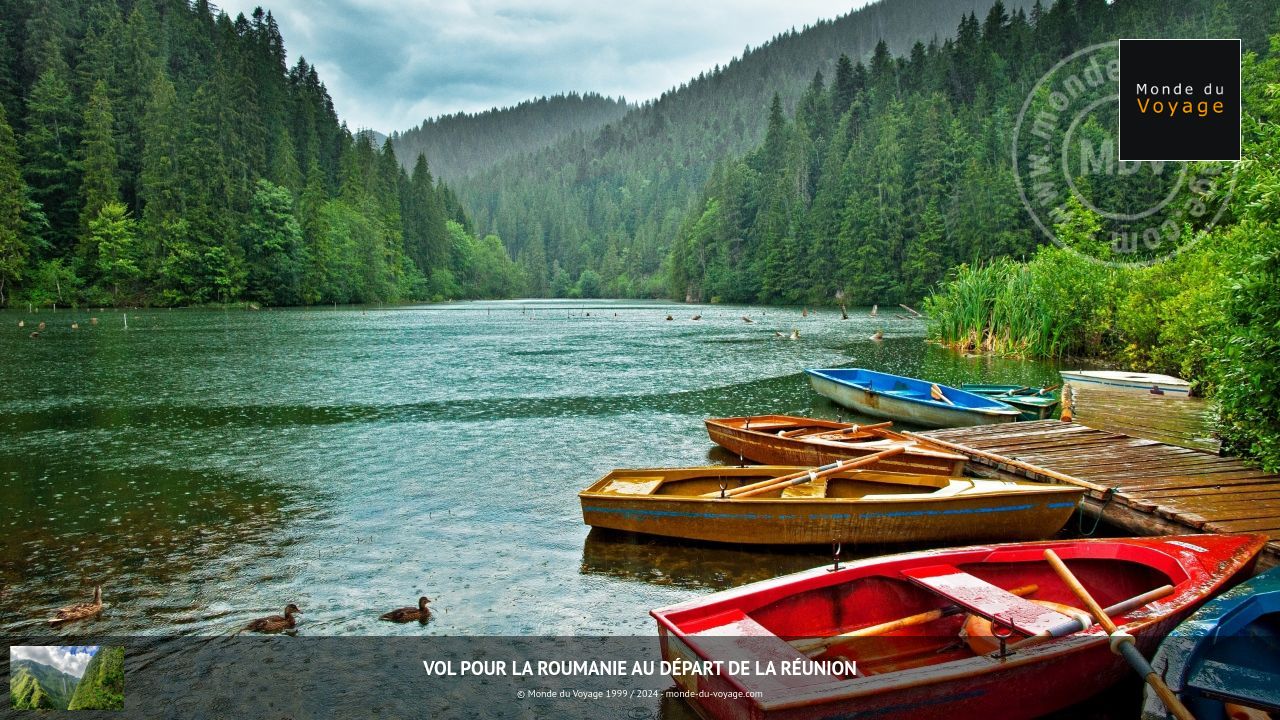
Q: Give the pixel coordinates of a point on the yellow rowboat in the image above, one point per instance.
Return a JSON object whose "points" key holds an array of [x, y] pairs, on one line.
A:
{"points": [[849, 506]]}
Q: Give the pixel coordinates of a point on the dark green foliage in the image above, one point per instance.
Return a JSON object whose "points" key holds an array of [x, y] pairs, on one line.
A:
{"points": [[908, 176], [102, 686], [167, 155], [34, 686], [14, 245], [615, 199], [1211, 314]]}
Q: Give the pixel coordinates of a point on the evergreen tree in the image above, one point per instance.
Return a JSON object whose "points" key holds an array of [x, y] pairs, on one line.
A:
{"points": [[113, 236], [100, 184], [49, 149], [13, 199]]}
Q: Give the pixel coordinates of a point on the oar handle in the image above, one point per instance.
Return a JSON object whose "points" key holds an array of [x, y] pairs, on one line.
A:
{"points": [[859, 428], [1079, 591], [1121, 643], [814, 646], [1075, 625]]}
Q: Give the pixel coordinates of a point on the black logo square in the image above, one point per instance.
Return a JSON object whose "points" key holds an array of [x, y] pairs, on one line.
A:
{"points": [[1179, 100]]}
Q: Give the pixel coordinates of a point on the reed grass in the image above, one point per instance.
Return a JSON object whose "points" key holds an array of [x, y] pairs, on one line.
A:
{"points": [[1049, 307]]}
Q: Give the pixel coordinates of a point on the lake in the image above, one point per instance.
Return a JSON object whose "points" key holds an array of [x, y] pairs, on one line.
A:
{"points": [[207, 467]]}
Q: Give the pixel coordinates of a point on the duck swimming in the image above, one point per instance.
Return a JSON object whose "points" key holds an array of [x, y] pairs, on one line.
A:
{"points": [[275, 623], [409, 614], [79, 611]]}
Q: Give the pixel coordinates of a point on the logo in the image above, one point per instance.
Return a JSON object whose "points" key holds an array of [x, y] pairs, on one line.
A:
{"points": [[1067, 167]]}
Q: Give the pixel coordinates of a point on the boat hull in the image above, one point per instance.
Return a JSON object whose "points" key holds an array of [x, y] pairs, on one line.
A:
{"points": [[1228, 651], [741, 625], [1027, 513], [1136, 382], [772, 449], [1033, 407], [883, 405]]}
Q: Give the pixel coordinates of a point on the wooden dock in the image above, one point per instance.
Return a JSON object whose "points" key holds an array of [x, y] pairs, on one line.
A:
{"points": [[1140, 484], [1182, 421]]}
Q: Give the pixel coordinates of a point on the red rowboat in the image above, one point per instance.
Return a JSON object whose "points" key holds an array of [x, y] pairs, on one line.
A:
{"points": [[779, 656], [792, 440]]}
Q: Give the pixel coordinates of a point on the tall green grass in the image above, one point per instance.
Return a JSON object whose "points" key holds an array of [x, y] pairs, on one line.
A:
{"points": [[1056, 305]]}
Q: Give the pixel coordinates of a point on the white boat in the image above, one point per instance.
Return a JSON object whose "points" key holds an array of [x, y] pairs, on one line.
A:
{"points": [[1121, 380]]}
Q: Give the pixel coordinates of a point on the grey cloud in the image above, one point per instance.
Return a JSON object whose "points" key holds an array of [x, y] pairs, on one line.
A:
{"points": [[388, 66]]}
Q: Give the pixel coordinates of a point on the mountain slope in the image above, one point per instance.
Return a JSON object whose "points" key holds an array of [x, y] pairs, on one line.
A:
{"points": [[34, 685], [874, 188], [464, 144], [612, 200], [102, 687]]}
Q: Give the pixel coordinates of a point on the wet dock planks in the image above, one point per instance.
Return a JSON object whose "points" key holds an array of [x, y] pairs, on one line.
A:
{"points": [[1182, 421], [1141, 484]]}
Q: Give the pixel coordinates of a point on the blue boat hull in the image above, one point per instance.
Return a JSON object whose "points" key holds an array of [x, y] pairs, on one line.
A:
{"points": [[1227, 652], [907, 399]]}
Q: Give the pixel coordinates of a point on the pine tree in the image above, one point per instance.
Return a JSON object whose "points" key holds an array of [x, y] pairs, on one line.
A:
{"points": [[100, 184], [113, 235], [49, 149], [13, 199]]}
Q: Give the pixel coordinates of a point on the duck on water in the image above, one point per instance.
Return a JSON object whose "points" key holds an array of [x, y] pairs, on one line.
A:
{"points": [[276, 623], [79, 611]]}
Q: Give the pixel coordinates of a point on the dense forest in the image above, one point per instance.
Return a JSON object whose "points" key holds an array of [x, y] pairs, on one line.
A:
{"points": [[611, 202], [898, 169], [463, 144], [1209, 314], [159, 152]]}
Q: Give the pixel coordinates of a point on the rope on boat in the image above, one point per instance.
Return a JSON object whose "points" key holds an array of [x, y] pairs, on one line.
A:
{"points": [[1109, 496]]}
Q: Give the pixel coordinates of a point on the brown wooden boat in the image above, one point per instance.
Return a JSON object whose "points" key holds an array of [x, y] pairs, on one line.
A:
{"points": [[791, 440], [850, 506]]}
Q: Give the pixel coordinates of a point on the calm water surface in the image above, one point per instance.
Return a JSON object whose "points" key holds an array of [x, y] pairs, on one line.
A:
{"points": [[207, 467]]}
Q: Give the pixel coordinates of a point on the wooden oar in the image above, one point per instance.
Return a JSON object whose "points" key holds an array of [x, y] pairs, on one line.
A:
{"points": [[935, 392], [806, 475], [812, 646], [1084, 622], [1047, 390], [859, 428], [1121, 643]]}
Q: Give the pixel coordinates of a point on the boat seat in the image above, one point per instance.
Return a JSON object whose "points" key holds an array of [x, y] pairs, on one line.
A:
{"points": [[637, 485], [812, 489], [992, 602], [736, 636], [1247, 686]]}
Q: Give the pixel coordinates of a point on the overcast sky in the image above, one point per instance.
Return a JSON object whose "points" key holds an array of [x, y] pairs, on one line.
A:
{"points": [[390, 65], [71, 659]]}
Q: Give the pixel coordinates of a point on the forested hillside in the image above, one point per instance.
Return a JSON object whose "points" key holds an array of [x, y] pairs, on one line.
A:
{"points": [[102, 686], [160, 152], [612, 201], [36, 686], [890, 173], [463, 144]]}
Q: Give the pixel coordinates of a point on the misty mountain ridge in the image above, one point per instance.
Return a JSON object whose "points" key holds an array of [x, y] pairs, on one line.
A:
{"points": [[463, 144], [614, 198]]}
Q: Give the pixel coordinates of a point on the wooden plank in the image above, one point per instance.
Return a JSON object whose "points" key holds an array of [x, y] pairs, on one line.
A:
{"points": [[1156, 494], [1138, 486], [1270, 526]]}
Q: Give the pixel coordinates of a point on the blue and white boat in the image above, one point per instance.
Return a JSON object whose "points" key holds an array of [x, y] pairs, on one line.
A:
{"points": [[1224, 661], [907, 399]]}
